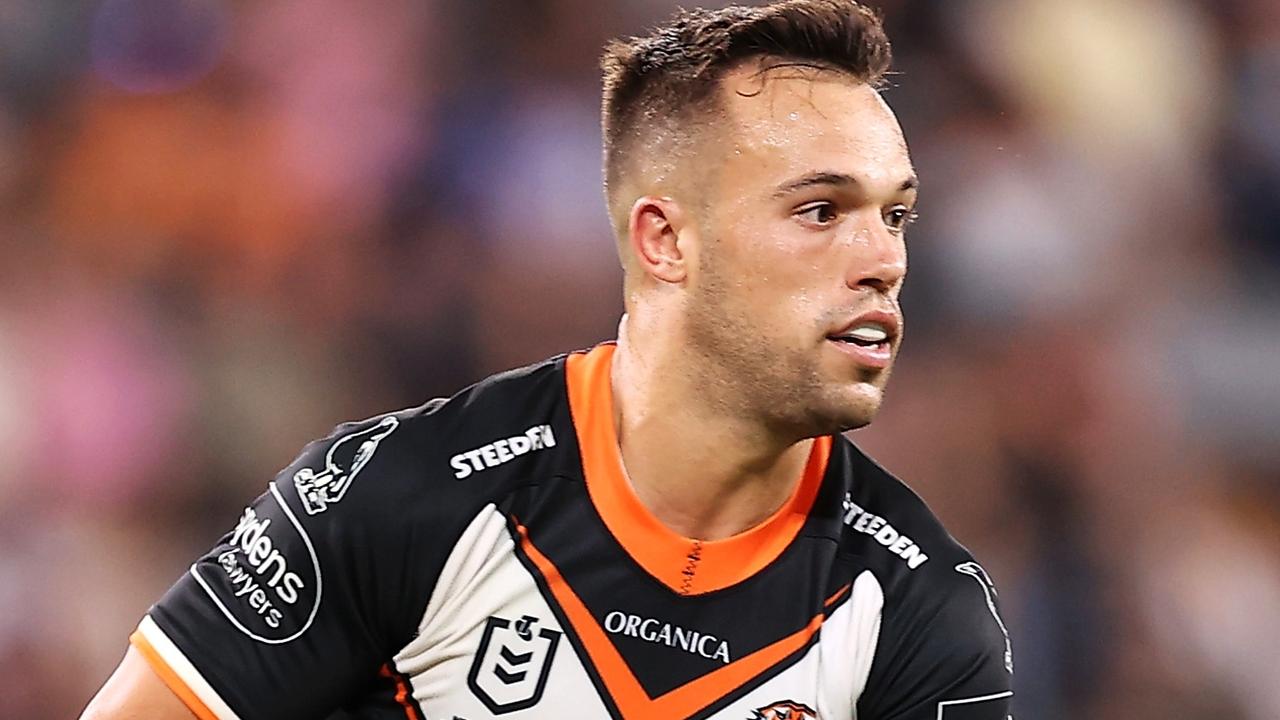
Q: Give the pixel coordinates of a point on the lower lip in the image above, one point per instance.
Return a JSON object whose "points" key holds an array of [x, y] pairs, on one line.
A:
{"points": [[875, 356]]}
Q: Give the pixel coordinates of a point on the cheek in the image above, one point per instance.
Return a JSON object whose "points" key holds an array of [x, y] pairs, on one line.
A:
{"points": [[781, 279], [788, 314], [788, 298], [777, 266]]}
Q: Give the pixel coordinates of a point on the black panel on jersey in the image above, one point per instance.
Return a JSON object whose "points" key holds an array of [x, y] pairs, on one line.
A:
{"points": [[942, 643]]}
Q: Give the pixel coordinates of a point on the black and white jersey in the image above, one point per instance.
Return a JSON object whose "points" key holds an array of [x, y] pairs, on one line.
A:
{"points": [[486, 556]]}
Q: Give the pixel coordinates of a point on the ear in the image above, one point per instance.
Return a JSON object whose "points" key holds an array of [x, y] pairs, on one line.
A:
{"points": [[654, 236]]}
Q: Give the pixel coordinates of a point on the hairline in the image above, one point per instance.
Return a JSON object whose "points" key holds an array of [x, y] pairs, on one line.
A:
{"points": [[690, 125]]}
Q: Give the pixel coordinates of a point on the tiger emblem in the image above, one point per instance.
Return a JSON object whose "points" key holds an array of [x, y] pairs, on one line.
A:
{"points": [[785, 710]]}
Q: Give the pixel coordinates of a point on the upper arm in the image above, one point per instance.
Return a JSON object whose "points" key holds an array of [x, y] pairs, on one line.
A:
{"points": [[323, 578], [942, 654], [135, 691]]}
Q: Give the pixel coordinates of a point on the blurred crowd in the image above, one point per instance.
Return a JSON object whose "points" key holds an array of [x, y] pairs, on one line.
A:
{"points": [[226, 225]]}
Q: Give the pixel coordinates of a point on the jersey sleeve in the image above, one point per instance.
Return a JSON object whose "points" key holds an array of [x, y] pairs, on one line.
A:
{"points": [[318, 582], [943, 653]]}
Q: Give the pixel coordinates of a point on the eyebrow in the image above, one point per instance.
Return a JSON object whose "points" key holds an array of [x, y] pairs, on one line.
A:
{"points": [[833, 178]]}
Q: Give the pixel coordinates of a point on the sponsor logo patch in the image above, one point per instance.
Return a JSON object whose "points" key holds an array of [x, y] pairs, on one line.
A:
{"points": [[664, 633], [785, 710], [321, 488], [266, 581], [887, 535], [504, 450], [512, 664]]}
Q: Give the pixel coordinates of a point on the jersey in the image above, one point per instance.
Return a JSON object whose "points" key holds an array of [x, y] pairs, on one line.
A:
{"points": [[485, 556]]}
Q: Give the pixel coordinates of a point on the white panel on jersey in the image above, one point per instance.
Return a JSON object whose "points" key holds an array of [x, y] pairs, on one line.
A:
{"points": [[827, 681], [183, 668], [856, 624], [489, 643]]}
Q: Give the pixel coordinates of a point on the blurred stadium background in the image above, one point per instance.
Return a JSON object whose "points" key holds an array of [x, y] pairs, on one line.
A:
{"points": [[226, 225]]}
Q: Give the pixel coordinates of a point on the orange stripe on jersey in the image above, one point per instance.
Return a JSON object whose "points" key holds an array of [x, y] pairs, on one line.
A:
{"points": [[623, 687], [835, 596], [402, 691], [170, 678], [687, 566]]}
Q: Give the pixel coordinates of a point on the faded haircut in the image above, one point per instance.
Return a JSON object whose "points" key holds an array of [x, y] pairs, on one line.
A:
{"points": [[665, 83]]}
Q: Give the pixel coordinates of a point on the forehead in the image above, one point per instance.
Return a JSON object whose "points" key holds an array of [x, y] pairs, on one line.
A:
{"points": [[786, 122]]}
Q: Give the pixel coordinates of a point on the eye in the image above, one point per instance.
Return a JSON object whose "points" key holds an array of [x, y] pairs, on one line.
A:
{"points": [[899, 217], [818, 213]]}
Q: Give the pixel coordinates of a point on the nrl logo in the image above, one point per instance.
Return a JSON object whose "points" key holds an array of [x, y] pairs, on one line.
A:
{"points": [[512, 664], [785, 710], [319, 489]]}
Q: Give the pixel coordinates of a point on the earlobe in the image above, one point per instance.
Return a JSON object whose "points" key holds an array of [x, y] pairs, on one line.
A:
{"points": [[653, 233]]}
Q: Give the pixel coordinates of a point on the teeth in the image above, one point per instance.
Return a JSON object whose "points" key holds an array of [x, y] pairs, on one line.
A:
{"points": [[868, 333]]}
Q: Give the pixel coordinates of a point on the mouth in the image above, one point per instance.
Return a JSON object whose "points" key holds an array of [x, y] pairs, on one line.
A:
{"points": [[868, 339]]}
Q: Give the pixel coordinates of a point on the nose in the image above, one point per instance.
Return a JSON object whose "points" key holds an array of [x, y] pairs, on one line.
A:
{"points": [[879, 258]]}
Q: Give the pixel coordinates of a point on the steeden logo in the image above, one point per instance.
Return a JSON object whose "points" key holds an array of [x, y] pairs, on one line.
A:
{"points": [[503, 450]]}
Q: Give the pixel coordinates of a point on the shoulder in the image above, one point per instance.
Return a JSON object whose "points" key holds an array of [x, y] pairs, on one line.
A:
{"points": [[417, 455], [374, 505], [941, 630], [892, 529], [927, 576]]}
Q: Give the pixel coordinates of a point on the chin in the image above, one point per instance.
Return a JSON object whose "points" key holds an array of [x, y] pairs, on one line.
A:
{"points": [[854, 421], [852, 408]]}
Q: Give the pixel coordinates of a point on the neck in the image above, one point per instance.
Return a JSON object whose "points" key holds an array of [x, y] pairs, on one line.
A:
{"points": [[702, 468]]}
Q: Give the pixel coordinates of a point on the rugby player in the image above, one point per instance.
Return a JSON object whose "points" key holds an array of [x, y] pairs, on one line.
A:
{"points": [[667, 526]]}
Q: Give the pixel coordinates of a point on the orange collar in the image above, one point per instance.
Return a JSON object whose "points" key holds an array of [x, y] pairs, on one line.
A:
{"points": [[687, 566]]}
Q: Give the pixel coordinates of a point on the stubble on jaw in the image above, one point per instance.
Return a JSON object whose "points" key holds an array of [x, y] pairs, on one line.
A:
{"points": [[740, 371]]}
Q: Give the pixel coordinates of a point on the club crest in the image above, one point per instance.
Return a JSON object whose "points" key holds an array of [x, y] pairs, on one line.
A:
{"points": [[512, 664], [785, 710], [321, 488]]}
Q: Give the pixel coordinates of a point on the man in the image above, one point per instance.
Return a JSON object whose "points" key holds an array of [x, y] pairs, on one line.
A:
{"points": [[670, 526]]}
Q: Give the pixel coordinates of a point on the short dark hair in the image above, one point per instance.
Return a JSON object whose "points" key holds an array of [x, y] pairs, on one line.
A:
{"points": [[673, 73]]}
